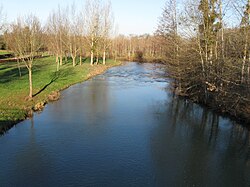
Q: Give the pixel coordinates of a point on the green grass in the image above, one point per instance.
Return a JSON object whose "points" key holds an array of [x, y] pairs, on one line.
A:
{"points": [[14, 89]]}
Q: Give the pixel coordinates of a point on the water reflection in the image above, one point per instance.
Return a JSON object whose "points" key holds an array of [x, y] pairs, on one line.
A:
{"points": [[96, 100], [208, 149], [33, 161]]}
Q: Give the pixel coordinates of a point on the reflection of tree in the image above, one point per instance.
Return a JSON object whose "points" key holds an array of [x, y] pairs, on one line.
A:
{"points": [[32, 162], [96, 100], [197, 147]]}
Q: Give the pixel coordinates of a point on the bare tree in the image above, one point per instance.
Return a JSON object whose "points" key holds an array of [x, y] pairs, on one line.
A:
{"points": [[26, 35], [72, 25], [245, 26], [107, 27], [168, 33], [92, 23], [57, 32]]}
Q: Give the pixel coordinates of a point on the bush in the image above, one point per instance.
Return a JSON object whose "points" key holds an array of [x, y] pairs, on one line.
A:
{"points": [[138, 56]]}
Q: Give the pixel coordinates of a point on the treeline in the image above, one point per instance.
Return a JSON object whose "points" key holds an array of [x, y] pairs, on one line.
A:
{"points": [[137, 48], [207, 60]]}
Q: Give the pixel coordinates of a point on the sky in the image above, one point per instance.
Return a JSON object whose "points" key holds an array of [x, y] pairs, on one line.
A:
{"points": [[131, 16]]}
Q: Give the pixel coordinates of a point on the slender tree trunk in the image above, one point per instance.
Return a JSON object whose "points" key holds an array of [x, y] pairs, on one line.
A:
{"points": [[246, 30], [216, 49], [92, 52], [211, 56], [61, 60], [97, 58], [30, 80], [61, 51], [244, 63], [80, 59], [115, 55], [104, 57], [74, 60], [222, 33], [248, 68], [202, 60], [92, 58], [57, 63], [19, 68], [66, 58]]}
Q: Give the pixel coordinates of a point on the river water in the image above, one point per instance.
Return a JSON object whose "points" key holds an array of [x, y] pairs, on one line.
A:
{"points": [[123, 128]]}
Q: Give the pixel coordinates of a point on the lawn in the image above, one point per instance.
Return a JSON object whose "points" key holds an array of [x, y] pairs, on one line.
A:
{"points": [[14, 89]]}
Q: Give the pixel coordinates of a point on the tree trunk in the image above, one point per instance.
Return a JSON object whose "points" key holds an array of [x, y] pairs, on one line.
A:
{"points": [[104, 57], [222, 33], [244, 63], [202, 60], [30, 81], [248, 68], [80, 60], [19, 68], [211, 56], [115, 55], [92, 58], [57, 63], [61, 60], [97, 59], [92, 52], [74, 60], [216, 49], [66, 58]]}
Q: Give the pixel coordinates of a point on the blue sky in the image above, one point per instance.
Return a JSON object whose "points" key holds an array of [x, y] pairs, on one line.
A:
{"points": [[132, 16]]}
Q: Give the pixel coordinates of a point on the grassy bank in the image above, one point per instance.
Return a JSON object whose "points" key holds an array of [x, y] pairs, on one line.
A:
{"points": [[14, 89]]}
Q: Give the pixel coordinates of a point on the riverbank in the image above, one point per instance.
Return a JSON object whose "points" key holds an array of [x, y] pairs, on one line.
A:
{"points": [[14, 105], [231, 100]]}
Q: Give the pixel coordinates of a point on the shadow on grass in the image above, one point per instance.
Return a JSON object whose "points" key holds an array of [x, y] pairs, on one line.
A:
{"points": [[54, 78], [12, 73], [62, 74]]}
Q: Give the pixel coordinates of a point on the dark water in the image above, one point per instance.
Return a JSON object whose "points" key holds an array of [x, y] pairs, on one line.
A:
{"points": [[123, 129]]}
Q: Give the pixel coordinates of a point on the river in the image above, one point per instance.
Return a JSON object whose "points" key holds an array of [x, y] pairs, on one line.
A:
{"points": [[123, 128]]}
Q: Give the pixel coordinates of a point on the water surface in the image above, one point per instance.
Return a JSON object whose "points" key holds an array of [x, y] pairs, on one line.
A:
{"points": [[123, 128]]}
